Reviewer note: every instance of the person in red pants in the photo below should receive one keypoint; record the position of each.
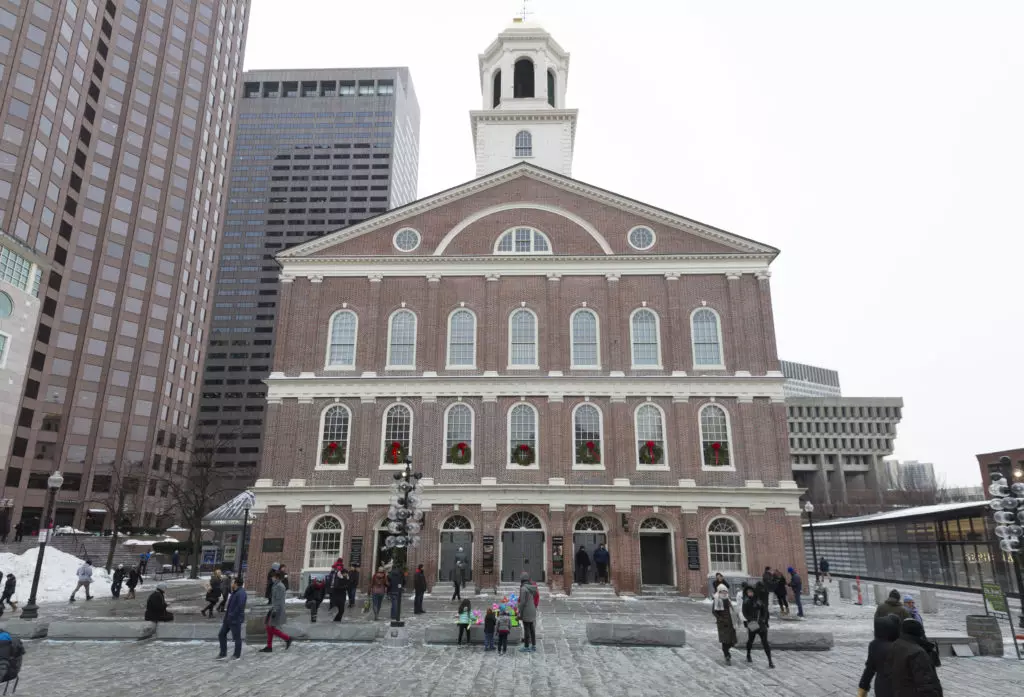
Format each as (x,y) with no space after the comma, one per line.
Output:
(276,617)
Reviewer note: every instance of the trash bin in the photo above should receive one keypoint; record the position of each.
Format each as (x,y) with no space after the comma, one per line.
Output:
(845,589)
(929,602)
(985,628)
(881,593)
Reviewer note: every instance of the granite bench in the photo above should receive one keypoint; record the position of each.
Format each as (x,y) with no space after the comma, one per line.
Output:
(449,634)
(100,630)
(793,640)
(190,631)
(945,643)
(616,634)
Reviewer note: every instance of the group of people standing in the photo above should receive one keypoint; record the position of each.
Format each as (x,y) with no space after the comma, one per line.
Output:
(752,615)
(601,560)
(775,582)
(218,590)
(500,623)
(339,587)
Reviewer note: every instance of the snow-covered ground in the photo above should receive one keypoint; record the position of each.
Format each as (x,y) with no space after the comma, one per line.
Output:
(58,577)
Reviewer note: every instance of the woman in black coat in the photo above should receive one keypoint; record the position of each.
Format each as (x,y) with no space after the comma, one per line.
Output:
(887,630)
(582,565)
(755,617)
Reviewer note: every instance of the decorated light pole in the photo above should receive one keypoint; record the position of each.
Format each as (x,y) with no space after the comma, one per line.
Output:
(809,510)
(1008,504)
(406,519)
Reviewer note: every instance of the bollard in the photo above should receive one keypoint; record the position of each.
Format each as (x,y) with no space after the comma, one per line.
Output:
(845,589)
(929,603)
(860,595)
(881,593)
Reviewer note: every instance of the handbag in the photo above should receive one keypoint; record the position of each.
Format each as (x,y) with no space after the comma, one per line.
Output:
(753,626)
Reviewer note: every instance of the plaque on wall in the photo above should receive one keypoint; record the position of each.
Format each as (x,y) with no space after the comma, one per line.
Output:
(557,557)
(692,555)
(488,554)
(355,553)
(273,545)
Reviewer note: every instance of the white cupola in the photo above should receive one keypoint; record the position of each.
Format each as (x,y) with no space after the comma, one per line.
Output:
(523,76)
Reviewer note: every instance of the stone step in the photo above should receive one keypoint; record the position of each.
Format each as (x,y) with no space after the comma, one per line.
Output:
(660,591)
(593,592)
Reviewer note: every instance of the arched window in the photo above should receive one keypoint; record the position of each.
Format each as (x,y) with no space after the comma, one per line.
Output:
(585,353)
(334,436)
(462,339)
(397,439)
(589,523)
(341,347)
(458,428)
(654,524)
(522,86)
(725,546)
(650,436)
(522,339)
(586,426)
(714,436)
(523,520)
(644,330)
(402,340)
(496,98)
(324,543)
(707,338)
(524,144)
(523,240)
(457,522)
(551,87)
(522,436)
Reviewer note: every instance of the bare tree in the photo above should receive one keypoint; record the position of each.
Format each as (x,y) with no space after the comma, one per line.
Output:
(125,480)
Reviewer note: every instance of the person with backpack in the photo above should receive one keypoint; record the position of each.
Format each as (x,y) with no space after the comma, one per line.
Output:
(11,653)
(84,580)
(910,665)
(529,599)
(117,581)
(314,595)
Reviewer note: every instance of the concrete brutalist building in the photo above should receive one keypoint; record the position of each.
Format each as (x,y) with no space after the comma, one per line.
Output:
(317,150)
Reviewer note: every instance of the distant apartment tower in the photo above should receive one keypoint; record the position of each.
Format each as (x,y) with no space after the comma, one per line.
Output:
(116,128)
(910,475)
(804,380)
(317,150)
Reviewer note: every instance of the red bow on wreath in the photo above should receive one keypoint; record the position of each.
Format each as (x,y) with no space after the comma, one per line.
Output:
(716,447)
(396,451)
(524,447)
(462,449)
(650,449)
(332,446)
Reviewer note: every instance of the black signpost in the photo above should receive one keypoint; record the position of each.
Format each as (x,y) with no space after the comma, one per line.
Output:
(488,555)
(557,557)
(355,553)
(692,555)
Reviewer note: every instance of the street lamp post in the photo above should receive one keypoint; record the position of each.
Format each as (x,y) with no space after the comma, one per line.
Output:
(809,509)
(241,551)
(54,483)
(406,518)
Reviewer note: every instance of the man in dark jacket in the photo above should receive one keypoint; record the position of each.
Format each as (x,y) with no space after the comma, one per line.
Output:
(234,617)
(353,584)
(582,565)
(419,584)
(798,587)
(117,581)
(601,560)
(892,606)
(909,665)
(887,630)
(156,606)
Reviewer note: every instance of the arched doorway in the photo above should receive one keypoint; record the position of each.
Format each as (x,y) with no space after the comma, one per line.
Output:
(522,79)
(456,534)
(522,547)
(656,562)
(589,534)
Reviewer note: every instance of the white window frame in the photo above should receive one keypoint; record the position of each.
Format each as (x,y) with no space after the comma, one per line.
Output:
(534,233)
(448,343)
(394,240)
(536,341)
(728,432)
(320,464)
(693,341)
(572,340)
(330,333)
(529,143)
(6,349)
(472,439)
(415,339)
(629,238)
(309,542)
(383,436)
(636,439)
(657,340)
(600,437)
(508,438)
(712,570)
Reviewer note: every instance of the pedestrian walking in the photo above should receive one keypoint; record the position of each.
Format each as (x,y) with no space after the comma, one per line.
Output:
(84,574)
(353,584)
(823,567)
(145,562)
(779,584)
(601,561)
(225,590)
(270,579)
(8,593)
(212,594)
(396,582)
(175,561)
(234,617)
(419,586)
(892,606)
(117,581)
(755,618)
(378,589)
(337,588)
(582,565)
(798,588)
(465,619)
(19,531)
(529,600)
(314,595)
(457,581)
(156,605)
(725,619)
(887,630)
(504,626)
(134,579)
(276,616)
(910,665)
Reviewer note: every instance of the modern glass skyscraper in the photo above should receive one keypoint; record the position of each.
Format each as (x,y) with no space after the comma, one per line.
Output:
(117,127)
(317,150)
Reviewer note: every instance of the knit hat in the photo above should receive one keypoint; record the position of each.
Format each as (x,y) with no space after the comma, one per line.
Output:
(525,577)
(722,588)
(161,586)
(275,566)
(894,594)
(789,569)
(908,598)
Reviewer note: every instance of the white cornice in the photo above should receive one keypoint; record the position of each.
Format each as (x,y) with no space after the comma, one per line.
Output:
(525,115)
(281,387)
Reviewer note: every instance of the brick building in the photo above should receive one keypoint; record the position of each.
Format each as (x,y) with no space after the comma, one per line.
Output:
(564,365)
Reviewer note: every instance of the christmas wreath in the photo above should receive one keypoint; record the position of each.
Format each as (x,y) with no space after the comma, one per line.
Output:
(394,454)
(523,454)
(588,453)
(334,454)
(716,454)
(460,454)
(651,453)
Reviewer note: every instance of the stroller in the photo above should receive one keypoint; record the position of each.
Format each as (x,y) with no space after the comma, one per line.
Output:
(820,594)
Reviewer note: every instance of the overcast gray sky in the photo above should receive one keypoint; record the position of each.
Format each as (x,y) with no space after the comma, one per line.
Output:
(879,145)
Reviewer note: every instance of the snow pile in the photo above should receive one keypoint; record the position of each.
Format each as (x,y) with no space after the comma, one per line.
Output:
(57,579)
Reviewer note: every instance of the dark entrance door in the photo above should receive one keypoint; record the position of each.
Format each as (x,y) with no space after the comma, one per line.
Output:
(450,543)
(656,559)
(522,550)
(589,541)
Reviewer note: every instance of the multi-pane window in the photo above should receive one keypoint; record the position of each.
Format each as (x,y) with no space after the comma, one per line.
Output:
(397,434)
(707,340)
(586,422)
(584,340)
(402,340)
(725,546)
(462,339)
(714,436)
(324,543)
(650,435)
(334,436)
(458,429)
(523,240)
(524,144)
(15,269)
(341,352)
(3,349)
(644,335)
(522,435)
(522,339)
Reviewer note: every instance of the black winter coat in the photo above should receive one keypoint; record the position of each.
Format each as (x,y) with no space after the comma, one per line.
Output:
(337,588)
(156,607)
(887,630)
(911,671)
(315,592)
(754,609)
(419,582)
